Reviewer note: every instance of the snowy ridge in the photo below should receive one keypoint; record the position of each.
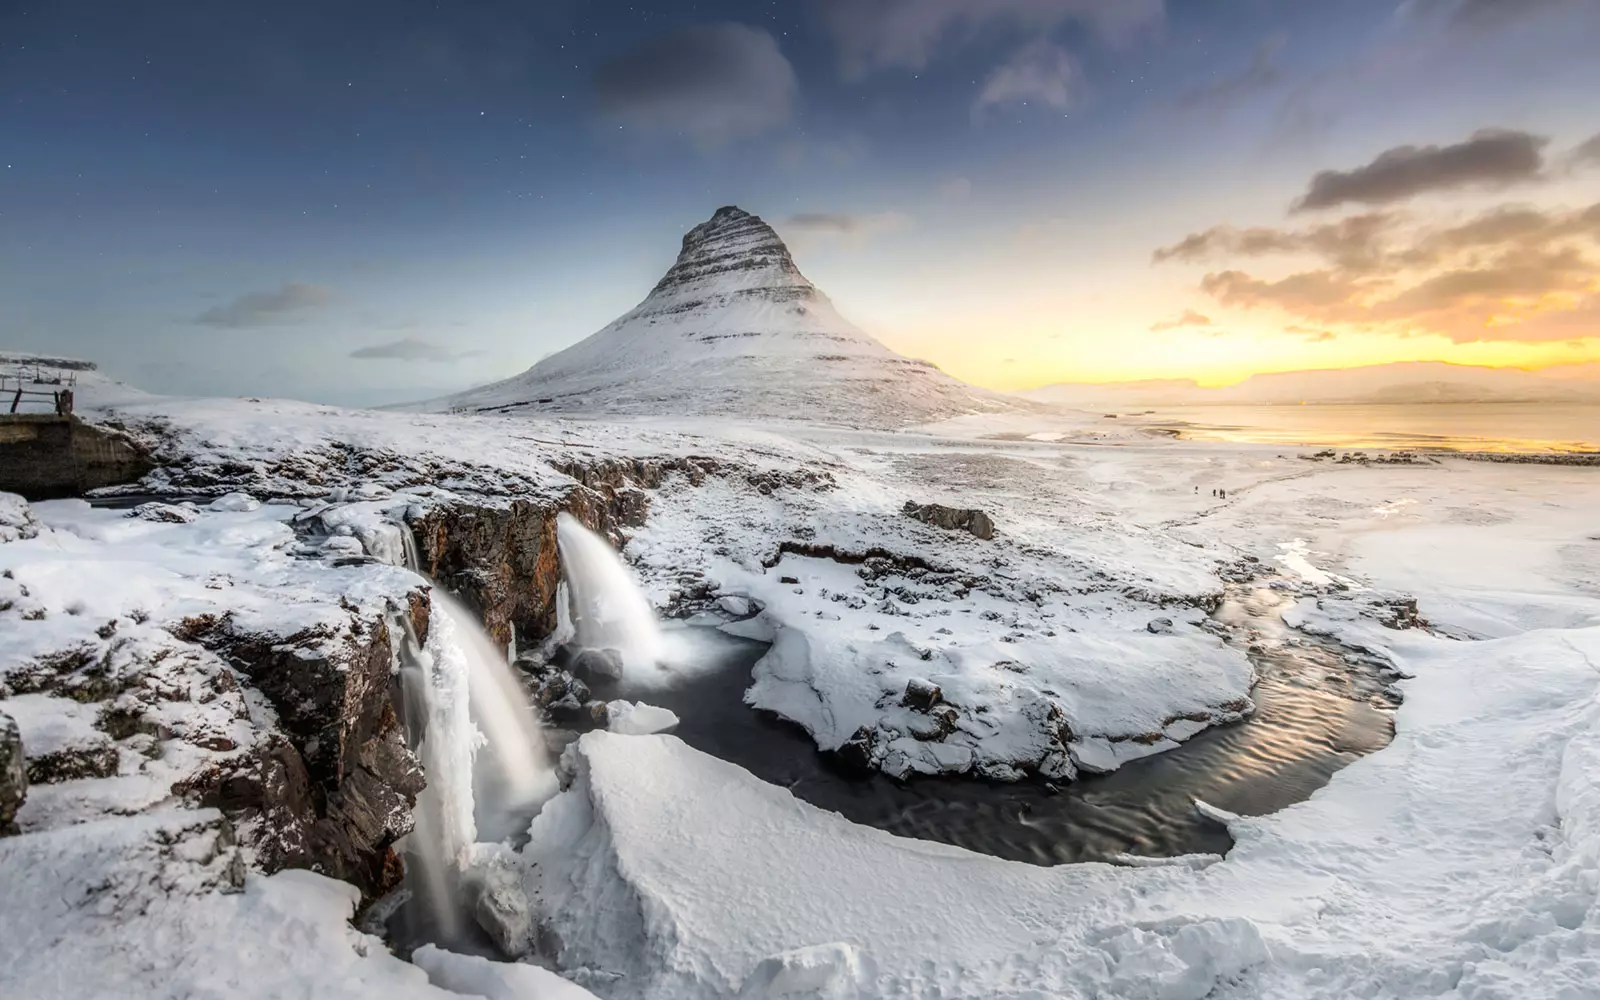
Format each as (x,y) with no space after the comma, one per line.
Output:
(734,328)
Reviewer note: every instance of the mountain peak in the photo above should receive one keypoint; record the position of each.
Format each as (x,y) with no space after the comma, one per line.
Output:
(734,329)
(733,250)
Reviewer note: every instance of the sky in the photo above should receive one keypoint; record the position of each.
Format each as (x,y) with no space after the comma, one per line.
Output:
(362,202)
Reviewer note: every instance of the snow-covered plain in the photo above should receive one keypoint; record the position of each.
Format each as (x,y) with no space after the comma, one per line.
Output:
(1461,861)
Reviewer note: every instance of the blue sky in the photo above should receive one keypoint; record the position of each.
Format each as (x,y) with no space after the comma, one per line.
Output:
(237,198)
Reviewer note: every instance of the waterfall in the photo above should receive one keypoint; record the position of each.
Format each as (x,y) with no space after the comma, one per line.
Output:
(481,748)
(608,609)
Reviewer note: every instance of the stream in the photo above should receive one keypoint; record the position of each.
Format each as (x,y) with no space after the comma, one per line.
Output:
(1315,713)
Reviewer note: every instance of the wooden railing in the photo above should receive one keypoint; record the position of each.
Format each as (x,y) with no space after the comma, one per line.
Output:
(51,392)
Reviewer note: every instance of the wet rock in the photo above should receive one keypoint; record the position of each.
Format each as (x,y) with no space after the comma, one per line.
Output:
(921,695)
(567,708)
(857,754)
(164,512)
(935,726)
(597,665)
(951,518)
(13,774)
(501,908)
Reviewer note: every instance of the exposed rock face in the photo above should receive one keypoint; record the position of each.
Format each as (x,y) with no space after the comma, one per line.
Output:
(952,518)
(502,559)
(734,328)
(13,774)
(336,789)
(45,456)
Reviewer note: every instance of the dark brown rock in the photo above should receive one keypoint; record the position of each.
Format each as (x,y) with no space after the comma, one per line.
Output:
(47,456)
(13,774)
(335,790)
(856,755)
(952,518)
(72,764)
(921,695)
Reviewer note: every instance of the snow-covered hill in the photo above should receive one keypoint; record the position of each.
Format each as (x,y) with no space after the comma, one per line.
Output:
(735,329)
(1401,382)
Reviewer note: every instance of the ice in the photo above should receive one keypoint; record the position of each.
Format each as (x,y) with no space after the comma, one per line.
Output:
(481,748)
(637,718)
(235,502)
(479,977)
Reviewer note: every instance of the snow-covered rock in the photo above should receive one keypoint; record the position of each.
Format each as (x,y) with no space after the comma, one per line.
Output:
(16,519)
(637,718)
(734,328)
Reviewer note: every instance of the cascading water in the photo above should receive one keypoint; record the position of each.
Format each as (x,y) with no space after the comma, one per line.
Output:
(482,750)
(608,609)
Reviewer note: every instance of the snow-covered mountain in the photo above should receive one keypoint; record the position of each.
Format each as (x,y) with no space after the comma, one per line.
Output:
(1401,382)
(734,329)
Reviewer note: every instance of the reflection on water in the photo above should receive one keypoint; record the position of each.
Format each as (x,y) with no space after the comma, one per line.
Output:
(1315,714)
(1498,427)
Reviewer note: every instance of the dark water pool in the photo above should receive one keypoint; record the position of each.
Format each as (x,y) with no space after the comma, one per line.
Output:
(1315,713)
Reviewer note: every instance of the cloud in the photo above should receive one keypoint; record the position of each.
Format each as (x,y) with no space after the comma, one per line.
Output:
(956,189)
(1039,73)
(1189,318)
(1490,158)
(1520,293)
(1262,73)
(1314,293)
(827,226)
(1587,153)
(1355,243)
(876,35)
(1484,14)
(712,83)
(410,349)
(286,302)
(1312,334)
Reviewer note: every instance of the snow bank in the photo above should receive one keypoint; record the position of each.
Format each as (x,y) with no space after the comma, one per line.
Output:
(1465,857)
(159,906)
(479,977)
(637,718)
(662,897)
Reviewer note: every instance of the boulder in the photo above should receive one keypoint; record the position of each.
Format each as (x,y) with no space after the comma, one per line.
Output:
(1159,626)
(165,513)
(500,907)
(738,607)
(921,695)
(976,522)
(856,755)
(16,519)
(13,774)
(597,665)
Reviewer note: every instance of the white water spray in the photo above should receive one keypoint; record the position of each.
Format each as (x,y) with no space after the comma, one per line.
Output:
(481,747)
(609,611)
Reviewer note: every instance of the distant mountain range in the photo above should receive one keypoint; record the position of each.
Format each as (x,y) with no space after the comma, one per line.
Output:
(1401,382)
(734,329)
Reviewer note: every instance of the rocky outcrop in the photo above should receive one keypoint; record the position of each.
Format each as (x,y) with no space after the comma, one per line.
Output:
(13,774)
(951,518)
(501,557)
(334,789)
(46,456)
